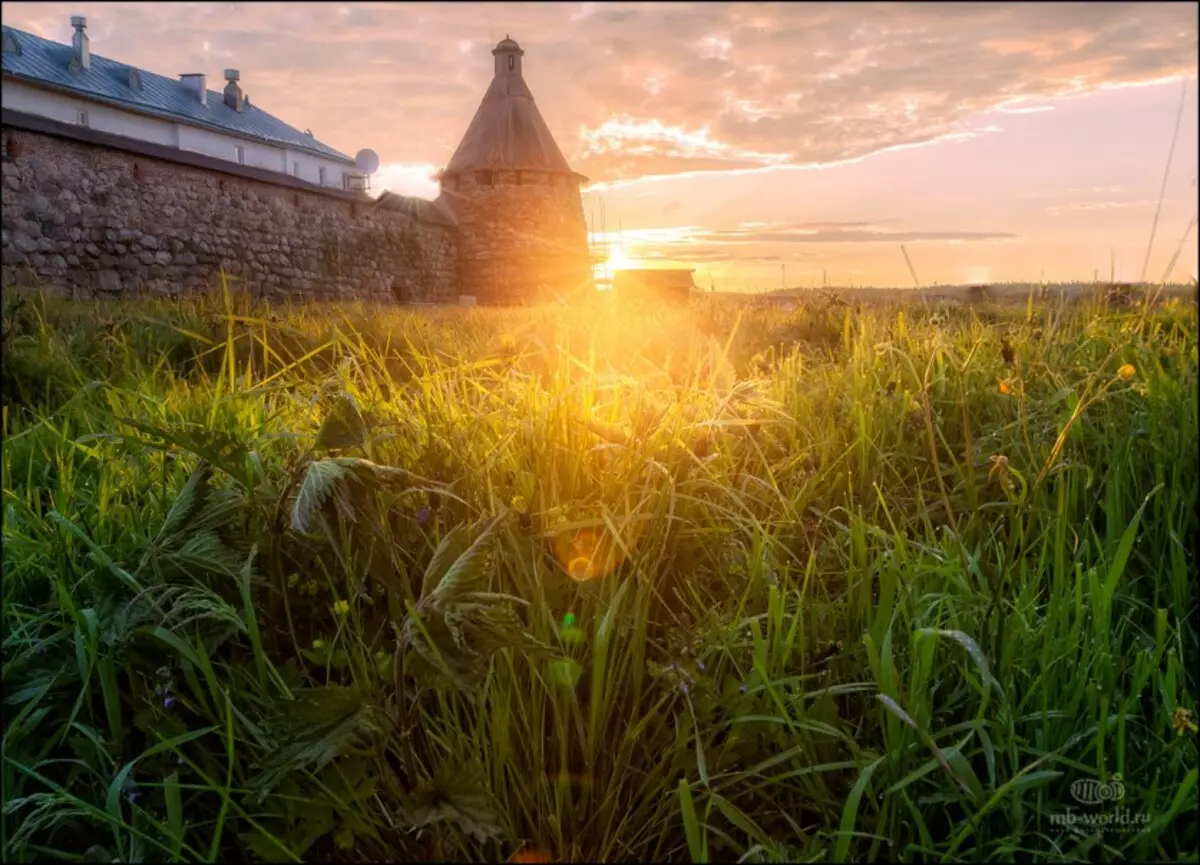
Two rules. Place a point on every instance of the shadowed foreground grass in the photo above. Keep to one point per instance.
(830, 584)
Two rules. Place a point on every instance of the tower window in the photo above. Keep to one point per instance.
(512, 62)
(241, 155)
(483, 178)
(81, 116)
(321, 174)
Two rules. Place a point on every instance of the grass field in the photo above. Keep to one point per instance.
(835, 583)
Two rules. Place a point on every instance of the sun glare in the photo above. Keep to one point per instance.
(619, 259)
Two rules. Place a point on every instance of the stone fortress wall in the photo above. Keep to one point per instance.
(524, 236)
(113, 216)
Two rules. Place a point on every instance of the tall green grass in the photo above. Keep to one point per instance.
(688, 584)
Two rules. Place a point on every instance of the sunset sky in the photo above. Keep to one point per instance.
(758, 143)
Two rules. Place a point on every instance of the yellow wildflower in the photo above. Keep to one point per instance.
(1181, 721)
(1127, 371)
(341, 607)
(318, 644)
(519, 504)
(1005, 387)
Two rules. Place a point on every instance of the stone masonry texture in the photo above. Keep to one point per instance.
(94, 221)
(523, 235)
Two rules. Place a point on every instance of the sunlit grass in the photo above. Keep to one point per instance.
(598, 584)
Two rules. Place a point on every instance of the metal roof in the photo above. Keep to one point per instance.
(48, 63)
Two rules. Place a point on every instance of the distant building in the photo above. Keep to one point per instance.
(68, 83)
(118, 179)
(515, 198)
(659, 284)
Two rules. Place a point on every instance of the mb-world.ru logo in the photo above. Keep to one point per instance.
(1089, 791)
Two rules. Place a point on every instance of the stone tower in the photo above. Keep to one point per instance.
(517, 202)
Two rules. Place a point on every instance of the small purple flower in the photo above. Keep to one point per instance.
(700, 666)
(169, 702)
(423, 515)
(683, 687)
(133, 796)
(742, 689)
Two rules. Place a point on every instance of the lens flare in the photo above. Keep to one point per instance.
(589, 553)
(530, 855)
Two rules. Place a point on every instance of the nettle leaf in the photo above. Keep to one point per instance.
(315, 728)
(343, 427)
(455, 631)
(221, 448)
(321, 479)
(452, 546)
(458, 796)
(266, 848)
(189, 502)
(206, 552)
(466, 567)
(351, 481)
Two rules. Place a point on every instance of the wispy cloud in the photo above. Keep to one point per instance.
(773, 242)
(1060, 209)
(636, 89)
(843, 233)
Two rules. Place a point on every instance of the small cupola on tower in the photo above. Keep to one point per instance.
(508, 56)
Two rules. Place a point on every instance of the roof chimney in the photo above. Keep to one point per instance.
(233, 92)
(196, 82)
(79, 42)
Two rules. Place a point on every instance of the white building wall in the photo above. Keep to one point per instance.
(221, 146)
(18, 96)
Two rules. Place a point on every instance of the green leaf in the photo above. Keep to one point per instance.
(691, 827)
(319, 481)
(453, 544)
(1031, 779)
(217, 446)
(456, 795)
(467, 567)
(189, 501)
(267, 848)
(973, 650)
(344, 426)
(850, 812)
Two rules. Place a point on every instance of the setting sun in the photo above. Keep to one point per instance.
(595, 431)
(619, 259)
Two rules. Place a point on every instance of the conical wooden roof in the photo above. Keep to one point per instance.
(508, 131)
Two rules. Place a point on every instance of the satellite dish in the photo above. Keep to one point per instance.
(367, 161)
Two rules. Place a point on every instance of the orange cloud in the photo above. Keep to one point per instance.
(638, 89)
